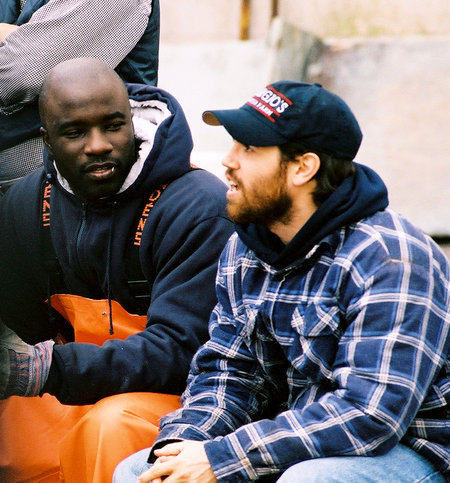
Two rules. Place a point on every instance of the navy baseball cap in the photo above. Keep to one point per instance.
(289, 111)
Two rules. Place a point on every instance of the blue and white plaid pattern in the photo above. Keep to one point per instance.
(343, 353)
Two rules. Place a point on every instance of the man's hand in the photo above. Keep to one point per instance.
(6, 29)
(185, 462)
(24, 368)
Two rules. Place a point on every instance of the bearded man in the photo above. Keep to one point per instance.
(328, 351)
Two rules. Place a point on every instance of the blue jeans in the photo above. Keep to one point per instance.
(130, 468)
(400, 465)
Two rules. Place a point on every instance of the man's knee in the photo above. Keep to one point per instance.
(108, 414)
(392, 466)
(311, 471)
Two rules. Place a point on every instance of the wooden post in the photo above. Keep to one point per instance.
(274, 10)
(245, 20)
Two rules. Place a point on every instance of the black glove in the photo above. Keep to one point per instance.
(24, 368)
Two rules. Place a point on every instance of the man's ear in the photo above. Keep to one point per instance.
(305, 168)
(46, 140)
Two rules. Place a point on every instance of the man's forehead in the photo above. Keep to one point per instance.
(67, 112)
(78, 96)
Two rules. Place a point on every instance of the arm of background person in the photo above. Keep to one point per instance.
(6, 29)
(64, 29)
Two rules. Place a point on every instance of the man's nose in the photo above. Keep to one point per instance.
(97, 143)
(230, 161)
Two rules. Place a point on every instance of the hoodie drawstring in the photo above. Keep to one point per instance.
(108, 267)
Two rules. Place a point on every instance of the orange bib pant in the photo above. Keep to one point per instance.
(42, 440)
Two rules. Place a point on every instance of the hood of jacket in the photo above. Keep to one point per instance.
(359, 196)
(157, 118)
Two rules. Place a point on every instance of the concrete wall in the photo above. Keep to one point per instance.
(218, 20)
(399, 90)
(367, 18)
(397, 86)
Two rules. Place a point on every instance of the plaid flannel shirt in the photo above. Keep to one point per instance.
(342, 353)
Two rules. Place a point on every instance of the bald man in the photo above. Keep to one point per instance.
(122, 236)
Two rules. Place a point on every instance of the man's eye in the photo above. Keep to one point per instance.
(115, 126)
(247, 148)
(74, 133)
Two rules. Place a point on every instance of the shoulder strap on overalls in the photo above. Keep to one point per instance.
(50, 261)
(137, 283)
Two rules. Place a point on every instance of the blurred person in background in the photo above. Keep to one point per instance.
(37, 35)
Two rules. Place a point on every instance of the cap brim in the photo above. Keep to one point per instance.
(245, 127)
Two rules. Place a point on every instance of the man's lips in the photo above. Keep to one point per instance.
(100, 170)
(233, 187)
(99, 166)
(232, 184)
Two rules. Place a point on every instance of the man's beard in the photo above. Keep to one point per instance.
(264, 202)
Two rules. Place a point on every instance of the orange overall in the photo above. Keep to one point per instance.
(46, 441)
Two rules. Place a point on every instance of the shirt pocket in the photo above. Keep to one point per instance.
(318, 331)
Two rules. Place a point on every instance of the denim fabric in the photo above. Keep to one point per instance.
(400, 465)
(130, 468)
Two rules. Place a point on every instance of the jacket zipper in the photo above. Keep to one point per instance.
(81, 229)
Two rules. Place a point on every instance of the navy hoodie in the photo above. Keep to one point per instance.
(181, 243)
(357, 197)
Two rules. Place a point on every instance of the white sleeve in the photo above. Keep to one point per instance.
(64, 29)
